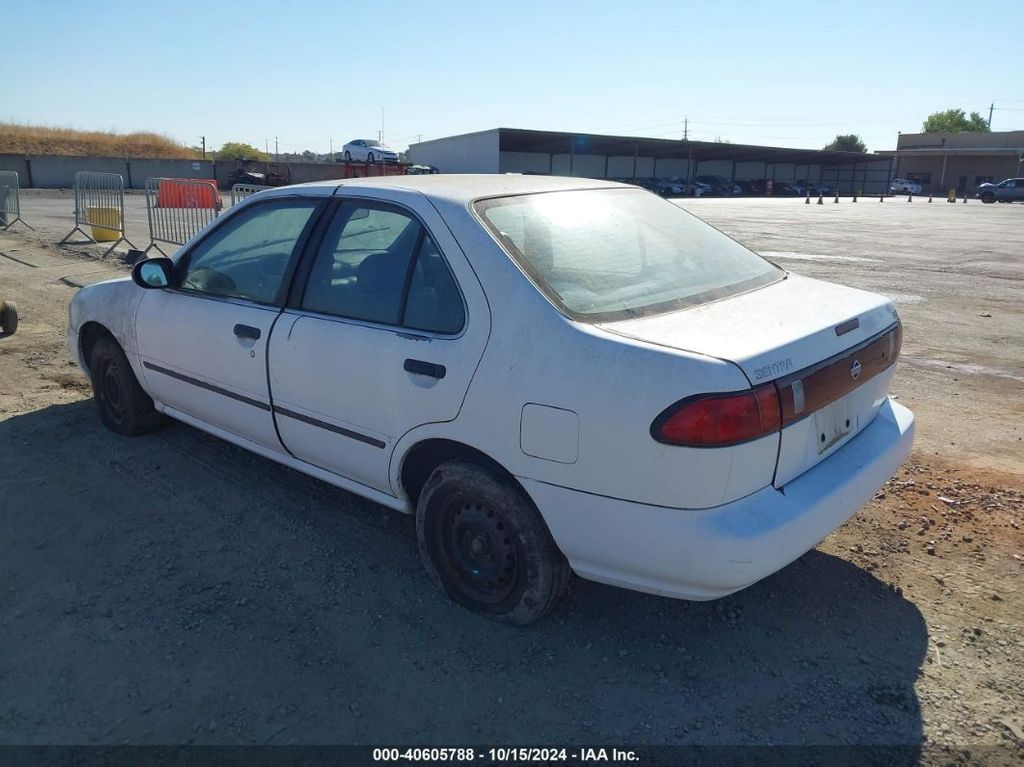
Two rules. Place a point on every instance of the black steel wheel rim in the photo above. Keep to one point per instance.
(113, 392)
(480, 545)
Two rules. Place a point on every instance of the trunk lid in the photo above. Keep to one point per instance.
(828, 348)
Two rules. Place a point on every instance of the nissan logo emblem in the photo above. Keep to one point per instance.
(855, 369)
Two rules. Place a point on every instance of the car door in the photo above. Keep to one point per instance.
(202, 342)
(383, 334)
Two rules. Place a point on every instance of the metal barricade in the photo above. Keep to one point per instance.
(99, 204)
(178, 209)
(240, 191)
(10, 201)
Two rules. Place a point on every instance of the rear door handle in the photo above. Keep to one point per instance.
(421, 368)
(247, 331)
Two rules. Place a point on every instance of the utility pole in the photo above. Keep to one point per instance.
(203, 138)
(686, 128)
(266, 146)
(277, 155)
(990, 108)
(380, 136)
(331, 143)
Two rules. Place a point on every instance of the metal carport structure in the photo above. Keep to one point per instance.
(590, 155)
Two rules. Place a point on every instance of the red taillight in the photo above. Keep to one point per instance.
(718, 420)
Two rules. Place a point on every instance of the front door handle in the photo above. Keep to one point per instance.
(421, 368)
(247, 331)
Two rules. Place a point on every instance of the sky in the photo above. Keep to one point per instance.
(311, 72)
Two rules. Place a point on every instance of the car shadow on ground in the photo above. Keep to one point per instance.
(173, 588)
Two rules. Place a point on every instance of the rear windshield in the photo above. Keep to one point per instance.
(602, 255)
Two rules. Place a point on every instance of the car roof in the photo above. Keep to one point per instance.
(464, 188)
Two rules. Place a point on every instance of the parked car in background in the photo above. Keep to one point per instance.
(678, 422)
(368, 150)
(1010, 190)
(904, 186)
(717, 185)
(782, 189)
(679, 188)
(747, 188)
(671, 188)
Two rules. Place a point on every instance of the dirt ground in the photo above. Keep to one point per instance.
(173, 588)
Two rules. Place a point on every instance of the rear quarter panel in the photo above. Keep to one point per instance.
(616, 386)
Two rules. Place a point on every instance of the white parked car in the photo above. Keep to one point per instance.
(552, 374)
(904, 186)
(368, 150)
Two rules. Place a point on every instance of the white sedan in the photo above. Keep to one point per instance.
(368, 150)
(552, 374)
(904, 186)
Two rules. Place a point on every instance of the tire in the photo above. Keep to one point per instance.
(486, 546)
(8, 318)
(348, 157)
(369, 157)
(124, 407)
(988, 199)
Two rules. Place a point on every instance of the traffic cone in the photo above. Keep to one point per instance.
(855, 196)
(820, 201)
(837, 195)
(807, 199)
(910, 198)
(881, 197)
(929, 198)
(965, 198)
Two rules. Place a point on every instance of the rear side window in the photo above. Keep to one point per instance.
(379, 264)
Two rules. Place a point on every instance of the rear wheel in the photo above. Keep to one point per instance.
(369, 157)
(124, 407)
(8, 318)
(486, 545)
(348, 157)
(988, 198)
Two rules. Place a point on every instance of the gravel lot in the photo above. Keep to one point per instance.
(173, 588)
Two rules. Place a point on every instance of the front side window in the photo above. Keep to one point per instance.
(608, 254)
(380, 265)
(247, 255)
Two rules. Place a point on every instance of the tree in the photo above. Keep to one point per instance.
(849, 142)
(954, 121)
(235, 150)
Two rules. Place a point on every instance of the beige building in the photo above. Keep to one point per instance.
(961, 161)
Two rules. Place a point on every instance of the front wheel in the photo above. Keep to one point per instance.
(348, 157)
(369, 157)
(124, 406)
(484, 543)
(988, 198)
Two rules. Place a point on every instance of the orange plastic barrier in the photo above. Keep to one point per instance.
(199, 193)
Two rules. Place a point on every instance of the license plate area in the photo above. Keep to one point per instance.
(832, 423)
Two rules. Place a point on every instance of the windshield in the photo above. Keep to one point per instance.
(608, 254)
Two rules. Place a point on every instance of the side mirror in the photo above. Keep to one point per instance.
(153, 273)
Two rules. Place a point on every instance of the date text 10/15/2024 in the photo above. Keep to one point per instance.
(505, 754)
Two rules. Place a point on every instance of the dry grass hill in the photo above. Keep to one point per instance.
(43, 140)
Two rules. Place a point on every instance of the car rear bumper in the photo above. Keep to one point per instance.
(710, 553)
